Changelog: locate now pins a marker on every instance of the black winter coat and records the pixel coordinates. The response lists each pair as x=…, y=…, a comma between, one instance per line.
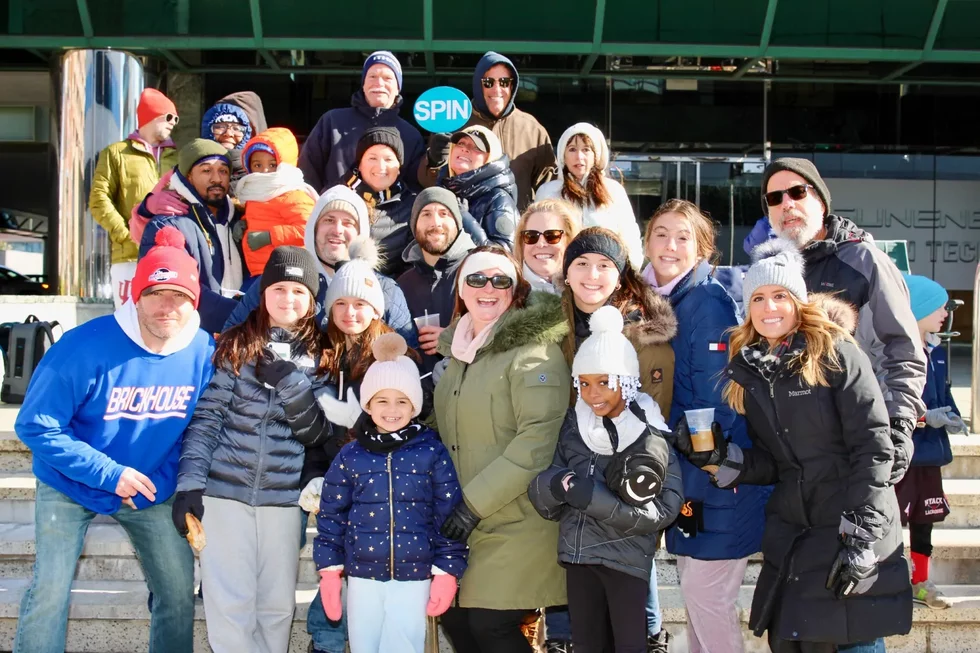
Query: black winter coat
x=828, y=451
x=489, y=194
x=609, y=532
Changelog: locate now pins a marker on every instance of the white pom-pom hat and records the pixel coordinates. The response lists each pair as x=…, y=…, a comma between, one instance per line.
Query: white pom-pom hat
x=607, y=350
x=392, y=370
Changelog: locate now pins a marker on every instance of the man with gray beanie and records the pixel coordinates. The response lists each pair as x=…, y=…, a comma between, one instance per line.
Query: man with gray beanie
x=842, y=259
x=440, y=245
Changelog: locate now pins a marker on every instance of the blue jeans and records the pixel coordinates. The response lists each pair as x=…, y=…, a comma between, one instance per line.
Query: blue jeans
x=557, y=624
x=327, y=637
x=59, y=533
x=654, y=620
x=877, y=646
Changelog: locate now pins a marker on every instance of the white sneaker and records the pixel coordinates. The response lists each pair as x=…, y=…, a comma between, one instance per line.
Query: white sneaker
x=929, y=595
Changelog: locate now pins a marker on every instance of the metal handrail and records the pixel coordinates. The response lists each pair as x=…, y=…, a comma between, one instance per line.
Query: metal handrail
x=974, y=385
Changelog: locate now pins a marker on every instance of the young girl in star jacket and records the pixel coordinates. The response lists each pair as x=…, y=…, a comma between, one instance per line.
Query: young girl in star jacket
x=384, y=499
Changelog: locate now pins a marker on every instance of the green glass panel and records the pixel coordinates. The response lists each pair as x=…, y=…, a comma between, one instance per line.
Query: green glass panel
x=685, y=21
x=52, y=17
x=960, y=29
x=220, y=18
x=133, y=17
x=332, y=19
x=846, y=23
x=514, y=20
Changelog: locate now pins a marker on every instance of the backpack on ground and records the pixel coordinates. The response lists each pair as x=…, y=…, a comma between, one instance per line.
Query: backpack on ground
x=24, y=346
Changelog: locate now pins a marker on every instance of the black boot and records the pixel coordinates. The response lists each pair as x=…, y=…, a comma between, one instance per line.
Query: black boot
x=558, y=646
x=658, y=643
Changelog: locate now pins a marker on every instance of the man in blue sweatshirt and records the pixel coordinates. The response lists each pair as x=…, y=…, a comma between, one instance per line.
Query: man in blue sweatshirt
x=104, y=417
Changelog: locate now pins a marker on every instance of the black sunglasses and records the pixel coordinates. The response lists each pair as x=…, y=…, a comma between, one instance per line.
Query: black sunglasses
x=498, y=281
x=504, y=82
x=796, y=193
x=551, y=236
x=172, y=117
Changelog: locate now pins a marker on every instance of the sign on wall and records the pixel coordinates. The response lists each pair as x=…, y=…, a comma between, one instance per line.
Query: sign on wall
x=442, y=109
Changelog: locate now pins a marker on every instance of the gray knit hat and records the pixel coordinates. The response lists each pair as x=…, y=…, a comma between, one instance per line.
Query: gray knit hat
x=357, y=277
x=805, y=169
x=776, y=262
x=441, y=196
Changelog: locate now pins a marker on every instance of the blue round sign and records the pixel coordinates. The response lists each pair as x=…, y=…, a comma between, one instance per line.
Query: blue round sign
x=442, y=109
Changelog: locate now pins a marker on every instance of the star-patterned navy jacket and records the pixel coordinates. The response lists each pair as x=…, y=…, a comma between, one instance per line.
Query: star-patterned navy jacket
x=358, y=518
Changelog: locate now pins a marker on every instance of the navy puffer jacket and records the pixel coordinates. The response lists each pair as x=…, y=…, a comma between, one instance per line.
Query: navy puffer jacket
x=380, y=514
x=932, y=444
x=732, y=521
x=247, y=440
x=489, y=194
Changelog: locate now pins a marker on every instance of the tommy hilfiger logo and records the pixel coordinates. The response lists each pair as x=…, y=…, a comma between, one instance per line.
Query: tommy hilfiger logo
x=800, y=393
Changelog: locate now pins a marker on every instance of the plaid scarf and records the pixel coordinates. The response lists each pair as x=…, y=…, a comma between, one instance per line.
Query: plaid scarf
x=766, y=359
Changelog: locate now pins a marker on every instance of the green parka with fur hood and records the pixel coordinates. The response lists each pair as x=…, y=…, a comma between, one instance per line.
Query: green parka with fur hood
x=500, y=416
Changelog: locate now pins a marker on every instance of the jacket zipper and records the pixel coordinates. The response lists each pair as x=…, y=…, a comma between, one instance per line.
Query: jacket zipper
x=391, y=516
x=580, y=526
x=262, y=433
x=789, y=448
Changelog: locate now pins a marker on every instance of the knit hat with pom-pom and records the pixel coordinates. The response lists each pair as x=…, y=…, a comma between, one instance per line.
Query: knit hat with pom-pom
x=167, y=266
x=607, y=350
x=775, y=262
x=392, y=370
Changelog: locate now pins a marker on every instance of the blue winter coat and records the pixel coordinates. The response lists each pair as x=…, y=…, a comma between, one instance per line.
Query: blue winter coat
x=330, y=149
x=358, y=520
x=733, y=520
x=490, y=196
x=931, y=443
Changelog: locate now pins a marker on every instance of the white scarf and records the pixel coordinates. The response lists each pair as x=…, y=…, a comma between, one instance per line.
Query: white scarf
x=628, y=426
x=128, y=321
x=466, y=343
x=264, y=186
x=538, y=282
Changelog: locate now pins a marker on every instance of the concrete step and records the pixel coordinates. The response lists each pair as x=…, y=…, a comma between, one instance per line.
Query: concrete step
x=966, y=457
x=111, y=617
x=14, y=454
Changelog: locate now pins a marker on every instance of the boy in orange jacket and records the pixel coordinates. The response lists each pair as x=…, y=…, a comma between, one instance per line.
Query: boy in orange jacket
x=277, y=200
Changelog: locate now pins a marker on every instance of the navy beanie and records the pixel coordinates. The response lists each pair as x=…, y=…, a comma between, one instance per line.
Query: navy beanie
x=386, y=58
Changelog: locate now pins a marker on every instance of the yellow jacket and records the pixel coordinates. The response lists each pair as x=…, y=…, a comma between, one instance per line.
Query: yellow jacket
x=124, y=175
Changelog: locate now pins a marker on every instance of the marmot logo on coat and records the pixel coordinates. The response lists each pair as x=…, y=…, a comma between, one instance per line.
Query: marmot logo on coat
x=800, y=393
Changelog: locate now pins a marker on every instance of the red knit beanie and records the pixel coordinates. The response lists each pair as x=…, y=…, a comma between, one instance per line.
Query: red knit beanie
x=167, y=265
x=153, y=103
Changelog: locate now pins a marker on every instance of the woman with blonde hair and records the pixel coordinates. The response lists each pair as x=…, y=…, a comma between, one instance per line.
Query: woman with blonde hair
x=834, y=577
x=583, y=161
x=545, y=229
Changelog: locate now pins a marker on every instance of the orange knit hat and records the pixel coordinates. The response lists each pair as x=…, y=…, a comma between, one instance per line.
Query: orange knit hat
x=153, y=103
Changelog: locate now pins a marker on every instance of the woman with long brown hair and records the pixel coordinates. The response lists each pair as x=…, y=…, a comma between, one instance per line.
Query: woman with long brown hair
x=583, y=160
x=242, y=455
x=833, y=576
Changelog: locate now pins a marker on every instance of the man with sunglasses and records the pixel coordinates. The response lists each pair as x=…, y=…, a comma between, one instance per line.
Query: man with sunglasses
x=842, y=259
x=523, y=139
x=125, y=173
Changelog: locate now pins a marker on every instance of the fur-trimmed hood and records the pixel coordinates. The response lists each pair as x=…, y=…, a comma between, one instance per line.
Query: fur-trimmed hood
x=840, y=312
x=658, y=328
x=541, y=321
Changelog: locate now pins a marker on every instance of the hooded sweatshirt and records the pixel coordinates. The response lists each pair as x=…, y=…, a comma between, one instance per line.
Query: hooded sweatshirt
x=246, y=107
x=278, y=203
x=100, y=401
x=617, y=216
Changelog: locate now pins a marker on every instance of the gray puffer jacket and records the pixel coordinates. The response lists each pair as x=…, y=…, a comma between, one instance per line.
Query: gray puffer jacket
x=247, y=440
x=604, y=530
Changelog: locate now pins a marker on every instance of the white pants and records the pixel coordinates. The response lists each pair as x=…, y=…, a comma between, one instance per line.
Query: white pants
x=710, y=589
x=248, y=571
x=120, y=276
x=386, y=616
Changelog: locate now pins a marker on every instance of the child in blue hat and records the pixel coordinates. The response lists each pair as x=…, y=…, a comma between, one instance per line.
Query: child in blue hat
x=920, y=493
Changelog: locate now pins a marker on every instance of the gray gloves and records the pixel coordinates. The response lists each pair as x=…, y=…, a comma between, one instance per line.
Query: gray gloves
x=945, y=418
x=855, y=569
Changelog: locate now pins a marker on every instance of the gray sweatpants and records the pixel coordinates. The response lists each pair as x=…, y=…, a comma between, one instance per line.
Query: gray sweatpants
x=248, y=571
x=710, y=589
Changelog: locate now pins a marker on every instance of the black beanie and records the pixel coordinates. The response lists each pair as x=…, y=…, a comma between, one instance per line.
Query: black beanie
x=289, y=263
x=595, y=240
x=805, y=169
x=381, y=136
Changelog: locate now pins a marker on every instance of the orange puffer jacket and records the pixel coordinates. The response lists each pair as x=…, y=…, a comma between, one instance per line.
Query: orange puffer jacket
x=277, y=202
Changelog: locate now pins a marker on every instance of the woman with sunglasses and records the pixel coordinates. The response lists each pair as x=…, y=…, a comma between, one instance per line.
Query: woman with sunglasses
x=719, y=529
x=583, y=158
x=833, y=573
x=499, y=405
x=545, y=229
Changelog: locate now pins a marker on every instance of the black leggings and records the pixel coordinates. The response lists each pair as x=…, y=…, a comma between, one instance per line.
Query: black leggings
x=478, y=630
x=599, y=597
x=920, y=539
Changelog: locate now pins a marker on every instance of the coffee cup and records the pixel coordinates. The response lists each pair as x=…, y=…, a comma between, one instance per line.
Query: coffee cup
x=699, y=424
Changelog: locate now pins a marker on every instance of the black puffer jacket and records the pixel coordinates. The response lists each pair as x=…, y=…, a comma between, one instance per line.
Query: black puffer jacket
x=246, y=441
x=391, y=213
x=489, y=194
x=828, y=451
x=608, y=532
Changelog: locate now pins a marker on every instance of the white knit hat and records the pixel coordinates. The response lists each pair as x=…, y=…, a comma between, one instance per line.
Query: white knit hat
x=598, y=142
x=607, y=350
x=392, y=370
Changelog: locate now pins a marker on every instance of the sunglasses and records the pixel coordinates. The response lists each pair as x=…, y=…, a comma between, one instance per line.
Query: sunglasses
x=498, y=281
x=504, y=82
x=172, y=117
x=551, y=236
x=224, y=127
x=796, y=193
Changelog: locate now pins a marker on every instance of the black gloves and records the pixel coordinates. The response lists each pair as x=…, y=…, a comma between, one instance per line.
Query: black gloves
x=682, y=442
x=189, y=501
x=637, y=478
x=856, y=568
x=272, y=370
x=460, y=523
x=438, y=152
x=579, y=492
x=901, y=436
x=258, y=239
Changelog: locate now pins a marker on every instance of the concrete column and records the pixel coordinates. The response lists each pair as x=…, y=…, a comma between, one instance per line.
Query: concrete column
x=187, y=92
